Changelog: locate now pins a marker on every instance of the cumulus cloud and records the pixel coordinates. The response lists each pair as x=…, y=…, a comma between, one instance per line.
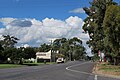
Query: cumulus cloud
x=77, y=10
x=6, y=21
x=35, y=32
x=21, y=23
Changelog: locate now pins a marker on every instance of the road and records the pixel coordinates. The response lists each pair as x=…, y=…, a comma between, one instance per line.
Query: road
x=77, y=70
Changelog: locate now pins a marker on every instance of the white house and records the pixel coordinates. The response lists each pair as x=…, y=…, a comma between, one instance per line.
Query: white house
x=43, y=56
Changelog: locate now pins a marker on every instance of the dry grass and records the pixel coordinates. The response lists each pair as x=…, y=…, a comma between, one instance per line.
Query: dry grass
x=107, y=70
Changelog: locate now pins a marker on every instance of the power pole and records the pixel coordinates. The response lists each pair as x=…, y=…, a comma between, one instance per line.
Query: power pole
x=51, y=51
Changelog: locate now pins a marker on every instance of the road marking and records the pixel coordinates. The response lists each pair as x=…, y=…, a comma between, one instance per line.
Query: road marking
x=95, y=77
x=68, y=68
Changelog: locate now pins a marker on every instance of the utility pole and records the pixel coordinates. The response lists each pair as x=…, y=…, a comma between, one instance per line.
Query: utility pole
x=51, y=51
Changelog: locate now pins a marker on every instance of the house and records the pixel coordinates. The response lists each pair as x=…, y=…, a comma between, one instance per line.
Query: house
x=43, y=56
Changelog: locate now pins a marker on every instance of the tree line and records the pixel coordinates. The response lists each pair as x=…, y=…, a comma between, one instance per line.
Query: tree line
x=8, y=50
x=70, y=49
x=103, y=27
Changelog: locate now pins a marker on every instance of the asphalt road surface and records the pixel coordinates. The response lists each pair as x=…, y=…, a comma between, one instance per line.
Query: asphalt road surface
x=77, y=70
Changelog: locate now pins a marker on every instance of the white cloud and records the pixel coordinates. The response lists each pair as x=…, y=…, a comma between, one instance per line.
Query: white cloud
x=6, y=21
x=39, y=32
x=26, y=45
x=77, y=10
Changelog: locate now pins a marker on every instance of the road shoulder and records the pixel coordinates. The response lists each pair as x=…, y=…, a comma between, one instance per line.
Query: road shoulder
x=102, y=70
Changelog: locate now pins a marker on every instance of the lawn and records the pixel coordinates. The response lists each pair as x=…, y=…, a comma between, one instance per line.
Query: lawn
x=10, y=66
x=2, y=66
x=37, y=64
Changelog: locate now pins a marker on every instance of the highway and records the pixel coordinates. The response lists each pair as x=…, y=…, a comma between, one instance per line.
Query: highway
x=75, y=70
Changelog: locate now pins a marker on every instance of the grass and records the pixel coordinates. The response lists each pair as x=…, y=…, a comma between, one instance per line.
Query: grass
x=111, y=70
x=9, y=66
x=37, y=64
x=2, y=66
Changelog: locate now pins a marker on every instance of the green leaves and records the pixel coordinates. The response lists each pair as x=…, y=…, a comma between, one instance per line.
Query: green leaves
x=9, y=41
x=70, y=47
x=44, y=48
x=111, y=27
x=103, y=26
x=94, y=23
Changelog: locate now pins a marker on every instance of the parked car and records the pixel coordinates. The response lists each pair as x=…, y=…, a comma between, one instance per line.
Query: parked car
x=60, y=60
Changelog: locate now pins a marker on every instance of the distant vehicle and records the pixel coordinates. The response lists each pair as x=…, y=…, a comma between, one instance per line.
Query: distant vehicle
x=60, y=60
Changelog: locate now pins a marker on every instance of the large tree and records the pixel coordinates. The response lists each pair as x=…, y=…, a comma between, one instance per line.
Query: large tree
x=58, y=43
x=29, y=52
x=111, y=27
x=94, y=23
x=70, y=48
x=44, y=48
x=1, y=54
x=9, y=41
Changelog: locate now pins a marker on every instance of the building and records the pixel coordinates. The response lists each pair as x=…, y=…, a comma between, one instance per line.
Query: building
x=43, y=56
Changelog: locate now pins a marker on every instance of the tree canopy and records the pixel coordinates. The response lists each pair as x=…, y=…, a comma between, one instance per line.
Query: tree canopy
x=94, y=23
x=103, y=26
x=111, y=27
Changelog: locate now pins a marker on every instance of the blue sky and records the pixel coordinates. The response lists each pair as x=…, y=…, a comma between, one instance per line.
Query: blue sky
x=41, y=9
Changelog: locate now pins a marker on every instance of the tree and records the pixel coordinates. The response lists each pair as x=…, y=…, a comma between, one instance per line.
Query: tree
x=29, y=52
x=111, y=29
x=9, y=41
x=15, y=55
x=1, y=54
x=64, y=49
x=1, y=48
x=76, y=48
x=6, y=47
x=71, y=48
x=44, y=48
x=58, y=43
x=79, y=53
x=94, y=23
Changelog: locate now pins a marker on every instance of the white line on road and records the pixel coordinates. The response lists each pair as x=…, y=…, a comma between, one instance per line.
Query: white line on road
x=68, y=68
x=95, y=77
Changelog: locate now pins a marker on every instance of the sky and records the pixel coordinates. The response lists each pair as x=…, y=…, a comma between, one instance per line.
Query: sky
x=40, y=9
x=36, y=22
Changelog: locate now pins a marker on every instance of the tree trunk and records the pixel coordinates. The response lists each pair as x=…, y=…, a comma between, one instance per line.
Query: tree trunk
x=114, y=60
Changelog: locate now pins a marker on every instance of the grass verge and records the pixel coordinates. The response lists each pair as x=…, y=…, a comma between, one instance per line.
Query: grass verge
x=2, y=66
x=37, y=64
x=107, y=70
